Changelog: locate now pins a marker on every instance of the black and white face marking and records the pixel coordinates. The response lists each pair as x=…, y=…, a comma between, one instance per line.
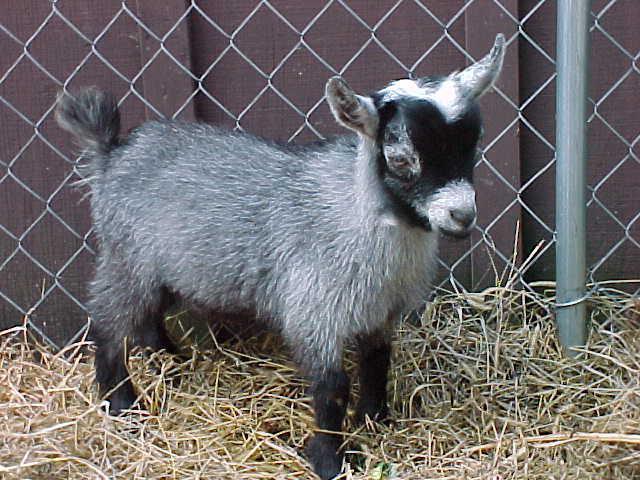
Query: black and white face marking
x=452, y=94
x=426, y=164
x=445, y=93
x=397, y=147
x=426, y=132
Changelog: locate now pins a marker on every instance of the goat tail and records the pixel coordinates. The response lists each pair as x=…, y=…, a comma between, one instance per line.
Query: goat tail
x=92, y=117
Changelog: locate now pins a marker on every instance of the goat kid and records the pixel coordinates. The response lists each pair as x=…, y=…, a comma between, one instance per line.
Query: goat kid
x=329, y=242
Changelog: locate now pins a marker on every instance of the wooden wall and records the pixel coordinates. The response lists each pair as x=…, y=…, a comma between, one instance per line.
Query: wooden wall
x=267, y=75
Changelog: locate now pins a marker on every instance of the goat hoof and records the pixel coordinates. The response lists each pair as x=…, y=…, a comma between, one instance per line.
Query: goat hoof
x=324, y=457
x=377, y=413
x=123, y=398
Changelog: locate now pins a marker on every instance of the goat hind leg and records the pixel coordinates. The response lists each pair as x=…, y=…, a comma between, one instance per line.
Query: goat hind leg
x=119, y=312
x=151, y=332
x=112, y=375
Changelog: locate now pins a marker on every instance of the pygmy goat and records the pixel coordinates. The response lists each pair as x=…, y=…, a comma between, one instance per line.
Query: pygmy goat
x=328, y=242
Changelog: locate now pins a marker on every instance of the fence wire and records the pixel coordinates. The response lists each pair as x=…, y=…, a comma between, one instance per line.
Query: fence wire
x=626, y=162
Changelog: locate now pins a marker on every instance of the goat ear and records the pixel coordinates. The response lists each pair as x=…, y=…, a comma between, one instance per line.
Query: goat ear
x=351, y=110
x=476, y=79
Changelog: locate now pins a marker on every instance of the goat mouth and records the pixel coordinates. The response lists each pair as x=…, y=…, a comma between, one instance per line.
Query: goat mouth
x=458, y=234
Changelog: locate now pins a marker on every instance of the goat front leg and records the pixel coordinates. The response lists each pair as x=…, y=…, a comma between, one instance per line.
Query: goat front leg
x=330, y=398
x=375, y=355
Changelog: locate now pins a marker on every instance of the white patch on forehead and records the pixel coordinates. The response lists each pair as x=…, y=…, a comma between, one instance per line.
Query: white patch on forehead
x=448, y=99
x=446, y=95
x=404, y=88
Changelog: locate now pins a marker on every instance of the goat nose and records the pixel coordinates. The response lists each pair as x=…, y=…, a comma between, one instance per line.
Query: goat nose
x=464, y=216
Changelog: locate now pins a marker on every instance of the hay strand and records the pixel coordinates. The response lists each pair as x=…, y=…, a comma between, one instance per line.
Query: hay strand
x=479, y=390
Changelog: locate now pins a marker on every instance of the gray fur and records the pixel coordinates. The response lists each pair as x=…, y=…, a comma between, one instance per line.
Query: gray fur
x=327, y=242
x=94, y=120
x=234, y=223
x=305, y=237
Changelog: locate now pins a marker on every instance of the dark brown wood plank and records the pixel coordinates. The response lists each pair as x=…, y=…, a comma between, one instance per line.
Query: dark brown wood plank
x=607, y=149
x=50, y=252
x=30, y=193
x=498, y=210
x=165, y=84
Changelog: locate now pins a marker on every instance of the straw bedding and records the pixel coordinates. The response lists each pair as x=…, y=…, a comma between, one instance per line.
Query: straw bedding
x=479, y=390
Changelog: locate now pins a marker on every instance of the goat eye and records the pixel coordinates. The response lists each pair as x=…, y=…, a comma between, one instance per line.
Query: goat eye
x=403, y=165
x=399, y=162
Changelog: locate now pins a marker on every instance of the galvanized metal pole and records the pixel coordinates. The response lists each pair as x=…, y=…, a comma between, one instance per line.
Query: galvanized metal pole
x=571, y=156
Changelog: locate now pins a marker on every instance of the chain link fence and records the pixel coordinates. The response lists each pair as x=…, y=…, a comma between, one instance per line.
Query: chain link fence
x=520, y=116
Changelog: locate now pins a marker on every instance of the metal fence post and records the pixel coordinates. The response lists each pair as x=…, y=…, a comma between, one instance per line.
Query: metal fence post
x=571, y=154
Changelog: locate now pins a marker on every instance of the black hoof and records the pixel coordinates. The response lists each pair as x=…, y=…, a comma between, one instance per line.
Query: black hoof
x=121, y=399
x=323, y=455
x=377, y=413
x=171, y=347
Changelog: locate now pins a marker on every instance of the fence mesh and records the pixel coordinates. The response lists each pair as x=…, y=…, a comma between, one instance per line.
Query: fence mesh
x=531, y=102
